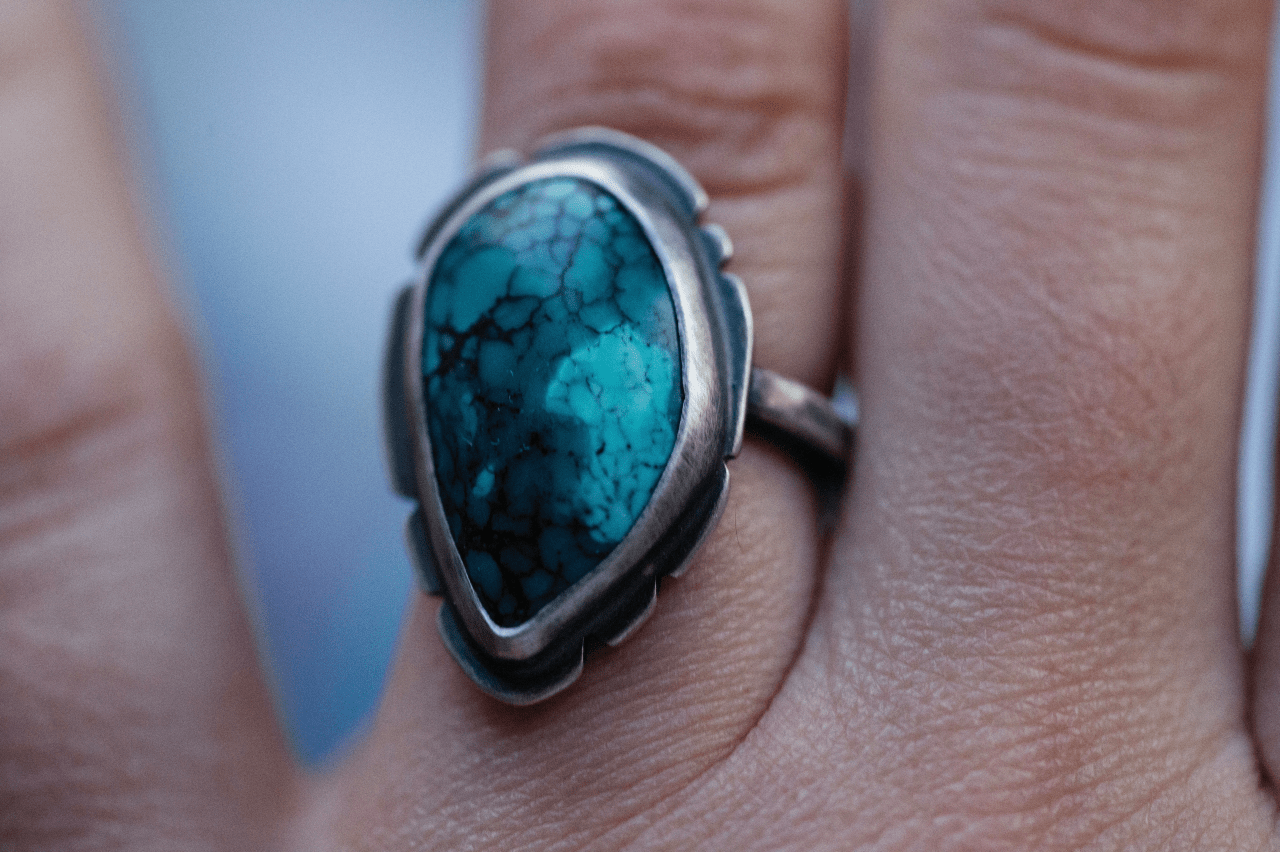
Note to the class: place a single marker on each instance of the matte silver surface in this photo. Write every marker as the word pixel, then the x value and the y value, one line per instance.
pixel 801 414
pixel 636 621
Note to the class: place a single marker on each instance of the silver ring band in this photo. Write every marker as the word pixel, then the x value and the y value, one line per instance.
pixel 802 414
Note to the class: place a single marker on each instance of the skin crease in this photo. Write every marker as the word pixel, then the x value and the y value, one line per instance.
pixel 1021 632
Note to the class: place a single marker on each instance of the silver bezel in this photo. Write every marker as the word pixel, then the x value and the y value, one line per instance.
pixel 713 326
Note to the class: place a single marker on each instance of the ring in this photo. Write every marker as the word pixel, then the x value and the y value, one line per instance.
pixel 563 385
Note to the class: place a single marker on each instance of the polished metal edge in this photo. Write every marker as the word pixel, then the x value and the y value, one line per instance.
pixel 707 523
pixel 491 167
pixel 736 311
pixel 611 143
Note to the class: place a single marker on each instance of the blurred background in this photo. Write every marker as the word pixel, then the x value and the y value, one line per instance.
pixel 292 152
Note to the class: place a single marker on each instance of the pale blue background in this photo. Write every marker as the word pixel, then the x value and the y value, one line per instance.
pixel 295 151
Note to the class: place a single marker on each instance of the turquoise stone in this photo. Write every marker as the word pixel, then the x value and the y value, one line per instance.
pixel 551 364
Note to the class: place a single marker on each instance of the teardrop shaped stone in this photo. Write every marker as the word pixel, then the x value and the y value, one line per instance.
pixel 551 365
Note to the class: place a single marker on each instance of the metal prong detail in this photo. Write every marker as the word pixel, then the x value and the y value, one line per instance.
pixel 395 414
pixel 497 162
pixel 718 243
pixel 424 563
pixel 639 619
pixel 712 519
pixel 737 314
pixel 691 192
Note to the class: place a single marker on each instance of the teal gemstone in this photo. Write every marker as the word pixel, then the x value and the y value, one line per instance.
pixel 551 365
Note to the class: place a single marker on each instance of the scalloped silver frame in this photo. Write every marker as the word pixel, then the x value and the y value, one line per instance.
pixel 713 321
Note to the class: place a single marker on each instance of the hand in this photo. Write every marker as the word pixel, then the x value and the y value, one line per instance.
pixel 1022 632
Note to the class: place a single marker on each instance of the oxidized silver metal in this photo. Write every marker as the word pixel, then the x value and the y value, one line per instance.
pixel 543 655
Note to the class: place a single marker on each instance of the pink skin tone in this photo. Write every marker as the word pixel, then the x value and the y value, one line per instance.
pixel 1020 634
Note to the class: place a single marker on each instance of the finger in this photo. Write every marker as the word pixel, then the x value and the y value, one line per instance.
pixel 131 707
pixel 1039 569
pixel 750 98
pixel 1028 639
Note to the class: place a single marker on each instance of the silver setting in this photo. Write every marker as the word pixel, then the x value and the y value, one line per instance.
pixel 801 413
pixel 533 660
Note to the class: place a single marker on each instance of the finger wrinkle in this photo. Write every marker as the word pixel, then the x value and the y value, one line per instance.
pixel 707 667
pixel 1038 680
pixel 33 38
pixel 1015 433
pixel 56 382
pixel 736 149
pixel 1068 164
pixel 1034 577
pixel 79 413
pixel 983 755
pixel 1168 65
pixel 48 479
pixel 918 763
pixel 127 709
pixel 62 399
pixel 720 85
pixel 1143 34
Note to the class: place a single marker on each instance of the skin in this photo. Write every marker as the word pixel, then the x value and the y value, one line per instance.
pixel 1021 632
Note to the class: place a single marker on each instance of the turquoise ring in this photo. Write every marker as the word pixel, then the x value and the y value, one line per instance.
pixel 564 383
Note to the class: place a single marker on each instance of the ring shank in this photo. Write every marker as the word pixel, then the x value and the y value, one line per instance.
pixel 801 414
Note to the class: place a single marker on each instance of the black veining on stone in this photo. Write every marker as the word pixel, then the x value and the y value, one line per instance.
pixel 553 387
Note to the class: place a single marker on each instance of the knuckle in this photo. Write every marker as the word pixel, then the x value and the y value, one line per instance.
pixel 1150 33
pixel 66 370
pixel 80 414
pixel 1100 104
pixel 720 85
pixel 1140 63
